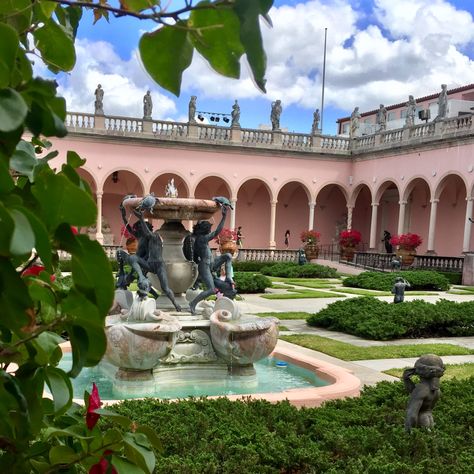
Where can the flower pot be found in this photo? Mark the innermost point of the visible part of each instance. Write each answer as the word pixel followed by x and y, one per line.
pixel 311 251
pixel 347 253
pixel 408 256
pixel 131 245
pixel 229 246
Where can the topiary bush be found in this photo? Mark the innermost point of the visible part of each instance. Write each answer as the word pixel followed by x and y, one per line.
pixel 293 270
pixel 351 436
pixel 247 282
pixel 371 318
pixel 418 279
pixel 249 266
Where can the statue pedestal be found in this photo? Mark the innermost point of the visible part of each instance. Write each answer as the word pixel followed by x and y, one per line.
pixel 468 269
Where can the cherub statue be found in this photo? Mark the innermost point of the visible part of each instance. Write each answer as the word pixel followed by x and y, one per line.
pixel 425 394
pixel 399 289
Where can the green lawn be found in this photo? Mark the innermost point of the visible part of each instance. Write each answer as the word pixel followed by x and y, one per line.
pixel 345 351
pixel 453 371
pixel 362 292
pixel 295 294
pixel 283 328
pixel 286 315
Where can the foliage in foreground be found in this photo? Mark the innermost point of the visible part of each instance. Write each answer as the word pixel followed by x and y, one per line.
pixel 352 436
pixel 419 280
pixel 247 282
pixel 373 319
pixel 293 270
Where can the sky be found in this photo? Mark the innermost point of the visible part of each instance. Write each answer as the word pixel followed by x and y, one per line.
pixel 378 52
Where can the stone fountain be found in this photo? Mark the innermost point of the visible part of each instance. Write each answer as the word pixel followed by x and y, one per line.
pixel 150 341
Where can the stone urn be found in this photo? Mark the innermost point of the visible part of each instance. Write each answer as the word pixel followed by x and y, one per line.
pixel 407 256
pixel 228 246
pixel 241 341
pixel 347 253
pixel 311 251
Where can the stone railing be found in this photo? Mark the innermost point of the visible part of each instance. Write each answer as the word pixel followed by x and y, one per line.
pixel 298 142
pixel 267 255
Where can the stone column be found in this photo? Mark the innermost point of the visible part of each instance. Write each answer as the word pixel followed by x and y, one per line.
pixel 273 205
pixel 401 216
pixel 98 235
pixel 373 226
pixel 349 216
pixel 467 225
pixel 431 231
pixel 232 213
pixel 312 205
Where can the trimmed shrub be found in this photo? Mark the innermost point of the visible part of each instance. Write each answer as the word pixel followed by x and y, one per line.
pixel 371 318
pixel 247 282
pixel 293 270
pixel 355 435
pixel 418 279
pixel 249 266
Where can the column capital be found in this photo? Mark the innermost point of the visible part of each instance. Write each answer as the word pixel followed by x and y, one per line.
pixel 469 199
pixel 350 206
pixel 402 203
pixel 273 203
pixel 434 201
pixel 99 194
pixel 375 204
pixel 312 204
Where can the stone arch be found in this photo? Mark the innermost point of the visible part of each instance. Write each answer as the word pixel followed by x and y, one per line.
pixel 387 196
pixel 253 213
pixel 331 212
pixel 356 191
pixel 213 182
pixel 89 178
pixel 361 200
pixel 292 212
pixel 158 185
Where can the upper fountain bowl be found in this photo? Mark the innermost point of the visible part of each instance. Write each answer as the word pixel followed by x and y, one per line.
pixel 177 209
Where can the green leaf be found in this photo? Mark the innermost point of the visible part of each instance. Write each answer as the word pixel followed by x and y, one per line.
pixel 13 110
pixel 61 388
pixel 23 238
pixel 48 8
pixel 124 466
pixel 218 38
pixel 120 419
pixel 62 455
pixel 47 39
pixel 16 13
pixel 248 12
pixel 74 160
pixel 7 226
pixel 150 433
pixel 46 343
pixel 79 345
pixel 138 5
pixel 166 53
pixel 61 201
pixel 24 162
pixel 8 50
pixel 136 451
pixel 6 181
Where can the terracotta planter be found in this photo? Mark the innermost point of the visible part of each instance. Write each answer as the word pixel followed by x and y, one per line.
pixel 311 251
pixel 408 256
pixel 131 246
pixel 229 246
pixel 347 253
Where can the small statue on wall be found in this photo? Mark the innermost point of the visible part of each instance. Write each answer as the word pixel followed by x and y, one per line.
pixel 235 115
pixel 192 109
pixel 442 103
pixel 147 106
pixel 411 112
pixel 381 118
pixel 425 394
pixel 316 118
pixel 355 123
pixel 275 114
pixel 99 100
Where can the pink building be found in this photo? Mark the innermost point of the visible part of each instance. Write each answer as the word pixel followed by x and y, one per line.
pixel 406 179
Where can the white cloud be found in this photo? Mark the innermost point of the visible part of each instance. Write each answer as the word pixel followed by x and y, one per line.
pixel 124 83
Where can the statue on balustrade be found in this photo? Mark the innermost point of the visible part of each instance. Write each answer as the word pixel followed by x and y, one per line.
pixel 99 100
pixel 411 112
pixel 147 106
pixel 192 109
pixel 381 118
pixel 202 255
pixel 275 114
pixel 355 123
pixel 423 395
pixel 442 103
pixel 315 127
pixel 235 115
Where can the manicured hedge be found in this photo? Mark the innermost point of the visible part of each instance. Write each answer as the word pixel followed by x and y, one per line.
pixel 371 318
pixel 247 282
pixel 353 436
pixel 419 280
pixel 293 270
pixel 249 266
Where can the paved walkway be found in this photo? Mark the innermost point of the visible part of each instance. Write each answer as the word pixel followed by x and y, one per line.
pixel 368 371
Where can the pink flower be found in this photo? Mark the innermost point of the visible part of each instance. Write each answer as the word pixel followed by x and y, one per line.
pixel 104 466
pixel 349 238
pixel 94 403
pixel 74 230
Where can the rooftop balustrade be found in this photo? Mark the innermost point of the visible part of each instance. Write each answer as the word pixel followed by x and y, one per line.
pixel 83 123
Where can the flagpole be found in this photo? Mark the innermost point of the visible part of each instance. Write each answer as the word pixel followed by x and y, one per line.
pixel 324 78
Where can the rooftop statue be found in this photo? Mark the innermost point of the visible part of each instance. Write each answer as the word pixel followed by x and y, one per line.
pixel 316 118
pixel 442 103
pixel 192 109
pixel 99 100
pixel 355 123
pixel 147 106
pixel 235 115
pixel 381 119
pixel 423 395
pixel 411 111
pixel 275 114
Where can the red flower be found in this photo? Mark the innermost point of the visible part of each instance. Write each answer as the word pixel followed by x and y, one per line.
pixel 74 230
pixel 94 402
pixel 126 233
pixel 349 238
pixel 225 235
pixel 35 270
pixel 104 466
pixel 310 236
pixel 406 241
